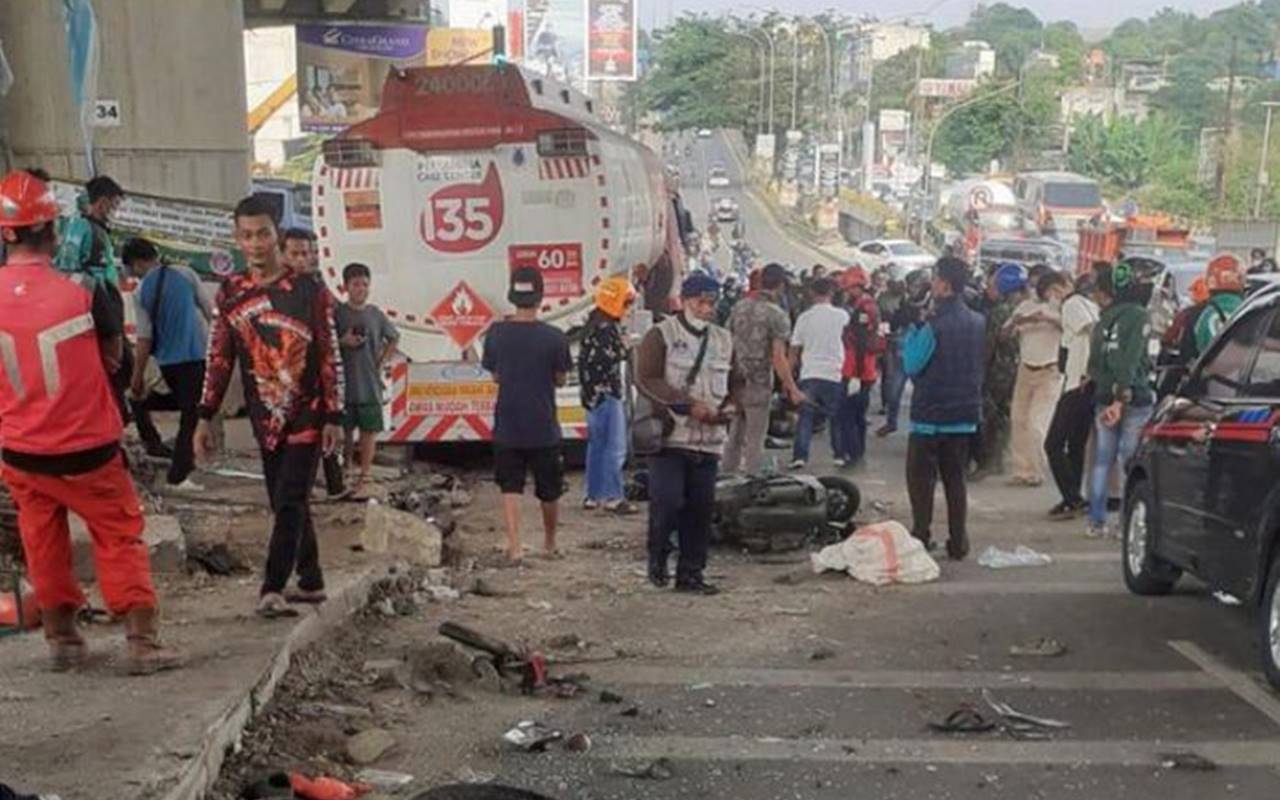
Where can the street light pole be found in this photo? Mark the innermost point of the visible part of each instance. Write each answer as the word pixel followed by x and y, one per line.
pixel 760 108
pixel 1263 178
pixel 928 153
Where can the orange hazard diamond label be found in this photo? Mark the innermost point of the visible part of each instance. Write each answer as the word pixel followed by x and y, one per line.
pixel 463 315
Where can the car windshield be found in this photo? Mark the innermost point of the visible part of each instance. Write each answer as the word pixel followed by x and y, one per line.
pixel 906 249
pixel 1072 195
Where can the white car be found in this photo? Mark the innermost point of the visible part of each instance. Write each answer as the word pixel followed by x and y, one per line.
pixel 898 255
pixel 717 177
pixel 704 133
pixel 726 210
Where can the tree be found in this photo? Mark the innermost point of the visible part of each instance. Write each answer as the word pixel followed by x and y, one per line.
pixel 971 138
pixel 1013 32
pixel 703 76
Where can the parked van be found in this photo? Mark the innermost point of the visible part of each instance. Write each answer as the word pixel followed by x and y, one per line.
pixel 1057 202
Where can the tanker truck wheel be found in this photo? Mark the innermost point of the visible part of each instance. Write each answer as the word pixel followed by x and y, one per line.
pixel 843 498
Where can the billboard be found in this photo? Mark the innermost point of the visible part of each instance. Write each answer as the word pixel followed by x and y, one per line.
pixel 447 46
pixel 612 32
pixel 341 69
pixel 555 39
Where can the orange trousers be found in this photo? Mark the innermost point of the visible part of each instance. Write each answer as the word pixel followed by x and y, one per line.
pixel 106 500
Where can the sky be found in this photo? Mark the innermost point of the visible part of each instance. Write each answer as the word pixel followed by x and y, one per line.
pixel 1090 15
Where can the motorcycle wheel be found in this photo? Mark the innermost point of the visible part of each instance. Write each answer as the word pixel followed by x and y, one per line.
pixel 843 498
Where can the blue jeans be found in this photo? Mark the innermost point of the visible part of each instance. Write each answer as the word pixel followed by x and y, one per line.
pixel 825 398
pixel 853 425
pixel 895 382
pixel 1112 445
pixel 606 449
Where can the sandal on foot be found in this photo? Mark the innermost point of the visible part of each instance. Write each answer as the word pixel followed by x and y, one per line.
pixel 274 606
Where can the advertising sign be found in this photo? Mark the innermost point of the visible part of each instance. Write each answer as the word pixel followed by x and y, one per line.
pixel 894 120
pixel 449 46
pixel 611 40
pixel 947 88
pixel 560 264
pixel 555 39
pixel 341 69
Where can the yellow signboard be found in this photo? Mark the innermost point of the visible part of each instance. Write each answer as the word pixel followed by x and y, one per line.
pixel 446 46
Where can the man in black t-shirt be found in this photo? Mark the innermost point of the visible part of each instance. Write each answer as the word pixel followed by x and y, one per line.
pixel 528 359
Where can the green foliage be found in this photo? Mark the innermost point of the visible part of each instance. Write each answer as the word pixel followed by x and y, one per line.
pixel 972 137
pixel 1013 32
pixel 703 76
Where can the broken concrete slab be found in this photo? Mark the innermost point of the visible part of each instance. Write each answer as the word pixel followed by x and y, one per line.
pixel 388 531
pixel 163 535
pixel 368 746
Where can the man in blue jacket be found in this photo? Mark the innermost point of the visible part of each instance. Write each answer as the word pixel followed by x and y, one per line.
pixel 944 356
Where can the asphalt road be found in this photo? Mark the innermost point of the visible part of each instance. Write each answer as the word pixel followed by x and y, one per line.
pixel 1142 678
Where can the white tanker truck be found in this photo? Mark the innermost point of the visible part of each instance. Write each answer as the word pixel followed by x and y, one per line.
pixel 466 173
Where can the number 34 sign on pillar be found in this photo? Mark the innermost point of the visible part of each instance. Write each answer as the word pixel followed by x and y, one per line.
pixel 463 216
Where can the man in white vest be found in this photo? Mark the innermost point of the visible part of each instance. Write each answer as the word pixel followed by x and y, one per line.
pixel 683 364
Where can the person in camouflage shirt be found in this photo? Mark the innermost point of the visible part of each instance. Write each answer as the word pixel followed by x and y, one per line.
pixel 1007 288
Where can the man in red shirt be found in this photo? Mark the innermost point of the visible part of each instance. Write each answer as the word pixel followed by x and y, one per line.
pixel 61 428
pixel 279 327
pixel 863 346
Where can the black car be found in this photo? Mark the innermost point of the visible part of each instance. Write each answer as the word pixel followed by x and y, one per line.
pixel 1203 491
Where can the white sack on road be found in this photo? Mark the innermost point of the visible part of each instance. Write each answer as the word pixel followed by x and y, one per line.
pixel 879 554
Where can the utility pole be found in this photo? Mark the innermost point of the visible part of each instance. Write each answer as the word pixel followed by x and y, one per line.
pixel 1220 179
pixel 1263 177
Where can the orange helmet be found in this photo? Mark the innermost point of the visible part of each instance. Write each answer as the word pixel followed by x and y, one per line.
pixel 25 201
pixel 613 295
pixel 1199 290
pixel 1225 274
pixel 853 277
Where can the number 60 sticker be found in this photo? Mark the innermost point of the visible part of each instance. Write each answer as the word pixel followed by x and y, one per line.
pixel 464 216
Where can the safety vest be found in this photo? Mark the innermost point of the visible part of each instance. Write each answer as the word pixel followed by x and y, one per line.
pixel 55 398
pixel 710 385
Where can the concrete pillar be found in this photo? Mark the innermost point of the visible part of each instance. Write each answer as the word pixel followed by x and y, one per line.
pixel 176 67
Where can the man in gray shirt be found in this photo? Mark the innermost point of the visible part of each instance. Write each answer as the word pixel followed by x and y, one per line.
pixel 367 339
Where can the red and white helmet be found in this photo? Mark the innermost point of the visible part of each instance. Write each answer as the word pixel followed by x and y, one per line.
pixel 853 277
pixel 1225 273
pixel 25 201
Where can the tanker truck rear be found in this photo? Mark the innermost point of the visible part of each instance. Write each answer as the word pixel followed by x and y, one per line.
pixel 466 173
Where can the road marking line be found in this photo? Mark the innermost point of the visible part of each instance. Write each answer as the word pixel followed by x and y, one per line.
pixel 1244 687
pixel 1016 587
pixel 933 751
pixel 1089 557
pixel 749 677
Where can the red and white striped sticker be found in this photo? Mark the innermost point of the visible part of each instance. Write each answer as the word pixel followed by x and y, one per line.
pixel 563 168
pixel 356 178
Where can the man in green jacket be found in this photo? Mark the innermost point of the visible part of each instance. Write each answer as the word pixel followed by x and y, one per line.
pixel 86 244
pixel 1120 370
pixel 1225 276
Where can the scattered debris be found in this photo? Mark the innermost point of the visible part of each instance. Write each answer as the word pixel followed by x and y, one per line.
pixel 784 611
pixel 1188 761
pixel 368 746
pixel 709 703
pixel 529 666
pixel 484 587
pixel 701 687
pixel 467 791
pixel 1021 556
pixel 630 711
pixel 578 743
pixel 965 719
pixel 335 710
pixel 1039 647
pixel 658 770
pixel 566 641
pixel 1226 599
pixel 442 593
pixel 215 559
pixel 389 531
pixel 470 776
pixel 325 788
pixel 384 779
pixel 532 737
pixel 609 697
pixel 1020 725
pixel 822 654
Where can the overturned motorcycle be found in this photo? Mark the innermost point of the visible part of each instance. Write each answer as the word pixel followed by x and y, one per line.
pixel 775 513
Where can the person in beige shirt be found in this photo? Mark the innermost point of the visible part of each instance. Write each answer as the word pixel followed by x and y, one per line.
pixel 1037 322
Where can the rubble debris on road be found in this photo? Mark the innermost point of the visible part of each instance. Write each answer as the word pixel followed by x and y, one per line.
pixel 215 559
pixel 1021 556
pixel 822 654
pixel 1020 725
pixel 1188 761
pixel 368 746
pixel 657 770
pixel 531 737
pixel 1039 647
pixel 879 554
pixel 529 666
pixel 610 698
pixel 389 531
pixel 384 779
pixel 785 611
pixel 578 743
pixel 965 719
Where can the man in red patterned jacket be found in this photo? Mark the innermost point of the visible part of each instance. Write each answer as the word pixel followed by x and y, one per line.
pixel 59 336
pixel 863 345
pixel 280 328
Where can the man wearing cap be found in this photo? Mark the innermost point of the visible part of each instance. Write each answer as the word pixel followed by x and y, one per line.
pixel 528 359
pixel 684 364
pixel 760 331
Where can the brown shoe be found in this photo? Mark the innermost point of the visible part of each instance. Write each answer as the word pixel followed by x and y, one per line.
pixel 144 652
pixel 67 648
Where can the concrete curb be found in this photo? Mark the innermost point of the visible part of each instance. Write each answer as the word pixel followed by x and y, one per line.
pixel 200 773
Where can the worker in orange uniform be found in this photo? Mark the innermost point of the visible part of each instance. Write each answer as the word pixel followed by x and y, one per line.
pixel 59 339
